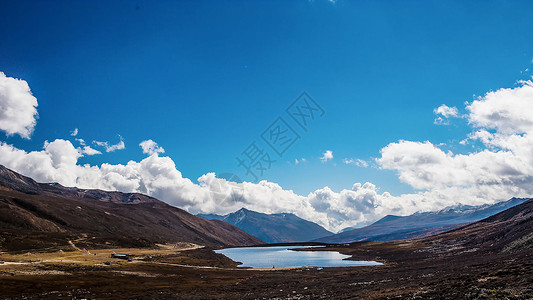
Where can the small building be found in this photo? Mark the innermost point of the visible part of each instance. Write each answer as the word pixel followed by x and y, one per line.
pixel 122 256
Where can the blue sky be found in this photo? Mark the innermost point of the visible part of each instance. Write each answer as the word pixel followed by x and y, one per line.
pixel 203 79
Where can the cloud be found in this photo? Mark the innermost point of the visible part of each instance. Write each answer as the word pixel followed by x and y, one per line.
pixel 334 2
pixel 358 162
pixel 501 169
pixel 150 147
pixel 74 132
pixel 443 113
pixel 158 176
pixel 18 107
pixel 58 162
pixel 89 151
pixel 446 111
pixel 507 110
pixel 111 148
pixel 302 160
pixel 328 155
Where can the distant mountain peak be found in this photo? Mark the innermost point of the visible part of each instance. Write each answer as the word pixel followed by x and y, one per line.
pixel 244 210
pixel 386 218
pixel 273 228
pixel 422 223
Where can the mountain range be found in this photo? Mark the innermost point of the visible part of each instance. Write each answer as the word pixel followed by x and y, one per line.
pixel 509 231
pixel 420 224
pixel 272 228
pixel 39 215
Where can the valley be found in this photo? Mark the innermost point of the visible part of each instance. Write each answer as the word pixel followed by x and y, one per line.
pixel 50 248
pixel 407 272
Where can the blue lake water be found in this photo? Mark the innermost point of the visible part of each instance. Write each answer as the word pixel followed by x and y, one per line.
pixel 282 257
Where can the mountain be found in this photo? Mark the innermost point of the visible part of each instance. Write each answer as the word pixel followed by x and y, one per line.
pixel 508 231
pixel 38 215
pixel 273 228
pixel 420 224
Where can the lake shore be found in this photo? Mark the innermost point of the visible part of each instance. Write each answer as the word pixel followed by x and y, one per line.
pixel 288 257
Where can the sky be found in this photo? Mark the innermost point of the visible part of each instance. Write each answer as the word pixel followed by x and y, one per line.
pixel 338 111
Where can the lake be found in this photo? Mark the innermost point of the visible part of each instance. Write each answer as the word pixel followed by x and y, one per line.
pixel 282 257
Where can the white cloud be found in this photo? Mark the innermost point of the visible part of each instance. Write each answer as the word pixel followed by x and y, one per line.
pixel 444 112
pixel 74 132
pixel 158 176
pixel 503 168
pixel 89 151
pixel 328 155
pixel 111 148
pixel 506 110
pixel 356 161
pixel 57 162
pixel 299 161
pixel 18 107
pixel 150 147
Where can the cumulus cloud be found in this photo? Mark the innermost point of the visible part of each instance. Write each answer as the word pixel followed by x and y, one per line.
pixel 150 147
pixel 328 155
pixel 507 110
pixel 58 162
pixel 18 107
pixel 158 176
pixel 111 148
pixel 74 132
pixel 501 169
pixel 444 112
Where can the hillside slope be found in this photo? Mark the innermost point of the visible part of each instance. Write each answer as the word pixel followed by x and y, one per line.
pixel 508 231
pixel 36 215
pixel 421 224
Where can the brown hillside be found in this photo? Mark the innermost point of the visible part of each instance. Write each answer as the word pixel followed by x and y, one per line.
pixel 35 215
